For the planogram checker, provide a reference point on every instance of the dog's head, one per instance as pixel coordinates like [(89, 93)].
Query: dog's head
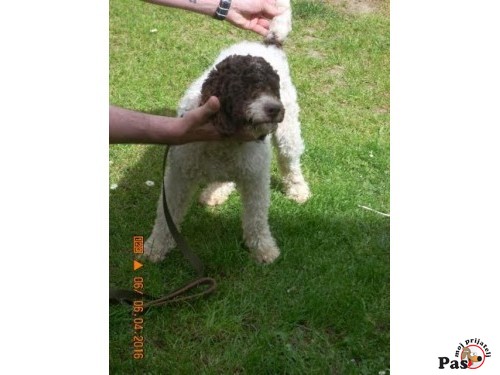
[(248, 89), (466, 353)]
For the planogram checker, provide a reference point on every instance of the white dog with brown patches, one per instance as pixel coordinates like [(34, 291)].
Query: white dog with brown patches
[(253, 84)]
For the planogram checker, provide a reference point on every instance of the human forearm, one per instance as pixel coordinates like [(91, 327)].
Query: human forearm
[(206, 7), (126, 126)]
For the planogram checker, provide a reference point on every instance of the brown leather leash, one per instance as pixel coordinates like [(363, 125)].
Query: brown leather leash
[(185, 293)]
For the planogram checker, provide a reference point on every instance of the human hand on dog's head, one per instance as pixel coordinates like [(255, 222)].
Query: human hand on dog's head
[(196, 126), (128, 126)]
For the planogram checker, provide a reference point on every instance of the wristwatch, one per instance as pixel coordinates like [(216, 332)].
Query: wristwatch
[(222, 10)]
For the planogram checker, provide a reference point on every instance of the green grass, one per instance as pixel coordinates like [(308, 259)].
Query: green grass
[(323, 306)]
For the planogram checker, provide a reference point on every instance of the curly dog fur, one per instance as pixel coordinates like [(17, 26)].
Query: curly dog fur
[(253, 84)]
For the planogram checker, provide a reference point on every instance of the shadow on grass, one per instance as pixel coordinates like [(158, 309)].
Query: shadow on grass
[(302, 231)]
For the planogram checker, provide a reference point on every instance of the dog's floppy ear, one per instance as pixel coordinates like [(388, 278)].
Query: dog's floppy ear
[(465, 352), (213, 86)]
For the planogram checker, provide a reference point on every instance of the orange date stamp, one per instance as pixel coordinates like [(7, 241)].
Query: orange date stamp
[(138, 244), (138, 320), (138, 305)]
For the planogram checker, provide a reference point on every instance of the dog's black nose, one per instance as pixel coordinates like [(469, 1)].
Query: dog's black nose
[(273, 110), (479, 358)]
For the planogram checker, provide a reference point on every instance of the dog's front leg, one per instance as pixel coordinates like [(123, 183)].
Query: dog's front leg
[(290, 146), (256, 198), (179, 190)]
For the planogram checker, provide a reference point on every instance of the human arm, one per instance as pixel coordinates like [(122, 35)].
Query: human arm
[(254, 15), (127, 126)]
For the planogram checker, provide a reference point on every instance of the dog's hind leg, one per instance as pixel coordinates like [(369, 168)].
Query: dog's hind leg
[(216, 193), (256, 196), (179, 191)]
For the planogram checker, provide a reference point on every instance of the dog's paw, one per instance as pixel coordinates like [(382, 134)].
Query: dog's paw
[(216, 193), (298, 191), (262, 245), (156, 250), (266, 255)]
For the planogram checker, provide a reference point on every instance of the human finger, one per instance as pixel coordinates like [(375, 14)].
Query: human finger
[(270, 10), (211, 106), (259, 29), (201, 115), (264, 23)]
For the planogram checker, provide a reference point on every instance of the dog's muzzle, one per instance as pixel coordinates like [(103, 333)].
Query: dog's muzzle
[(265, 109), (275, 111), (264, 114)]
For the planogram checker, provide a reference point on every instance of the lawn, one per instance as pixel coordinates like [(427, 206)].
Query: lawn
[(323, 306)]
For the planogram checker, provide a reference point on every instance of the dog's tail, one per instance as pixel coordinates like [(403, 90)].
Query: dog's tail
[(280, 25)]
